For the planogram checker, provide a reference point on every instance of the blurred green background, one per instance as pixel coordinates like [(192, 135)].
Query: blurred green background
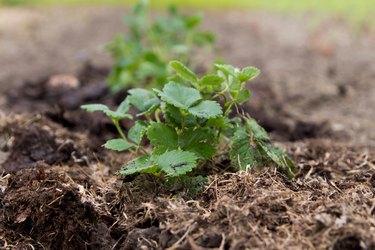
[(353, 10)]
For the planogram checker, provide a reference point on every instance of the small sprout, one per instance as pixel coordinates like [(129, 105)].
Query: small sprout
[(186, 122), (141, 57)]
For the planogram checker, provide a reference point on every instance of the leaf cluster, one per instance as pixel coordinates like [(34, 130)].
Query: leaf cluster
[(188, 119), (142, 55)]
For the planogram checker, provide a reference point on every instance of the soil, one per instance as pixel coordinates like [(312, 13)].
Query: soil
[(59, 188)]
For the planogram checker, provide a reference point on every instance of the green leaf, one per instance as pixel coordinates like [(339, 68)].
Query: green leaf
[(119, 79), (144, 100), (180, 49), (176, 163), (117, 46), (183, 71), (95, 107), (235, 123), (256, 130), (235, 87), (149, 70), (226, 69), (206, 109), (118, 145), (219, 122), (249, 151), (140, 7), (140, 165), (179, 95), (193, 21), (124, 106), (137, 131), (200, 141), (279, 157), (248, 74), (203, 38), (162, 137), (243, 96), (114, 115), (210, 82), (173, 116), (242, 154), (151, 56)]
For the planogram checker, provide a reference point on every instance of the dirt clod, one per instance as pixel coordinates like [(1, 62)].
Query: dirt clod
[(33, 144)]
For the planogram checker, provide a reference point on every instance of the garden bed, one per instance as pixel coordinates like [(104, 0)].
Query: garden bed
[(59, 190)]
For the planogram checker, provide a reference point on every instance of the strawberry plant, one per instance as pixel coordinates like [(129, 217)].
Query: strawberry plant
[(142, 55), (189, 120)]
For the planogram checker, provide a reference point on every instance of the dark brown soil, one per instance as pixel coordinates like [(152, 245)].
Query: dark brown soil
[(329, 205), (35, 143), (58, 187)]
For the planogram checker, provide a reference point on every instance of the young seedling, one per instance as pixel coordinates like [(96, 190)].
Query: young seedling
[(142, 55), (189, 118)]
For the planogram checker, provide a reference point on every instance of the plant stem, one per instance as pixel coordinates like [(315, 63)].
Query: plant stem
[(219, 134), (148, 117), (227, 110), (183, 117), (117, 125), (142, 149), (157, 118), (122, 134), (221, 93)]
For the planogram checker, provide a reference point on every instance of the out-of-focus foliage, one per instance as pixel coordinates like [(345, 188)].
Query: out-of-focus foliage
[(142, 54)]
